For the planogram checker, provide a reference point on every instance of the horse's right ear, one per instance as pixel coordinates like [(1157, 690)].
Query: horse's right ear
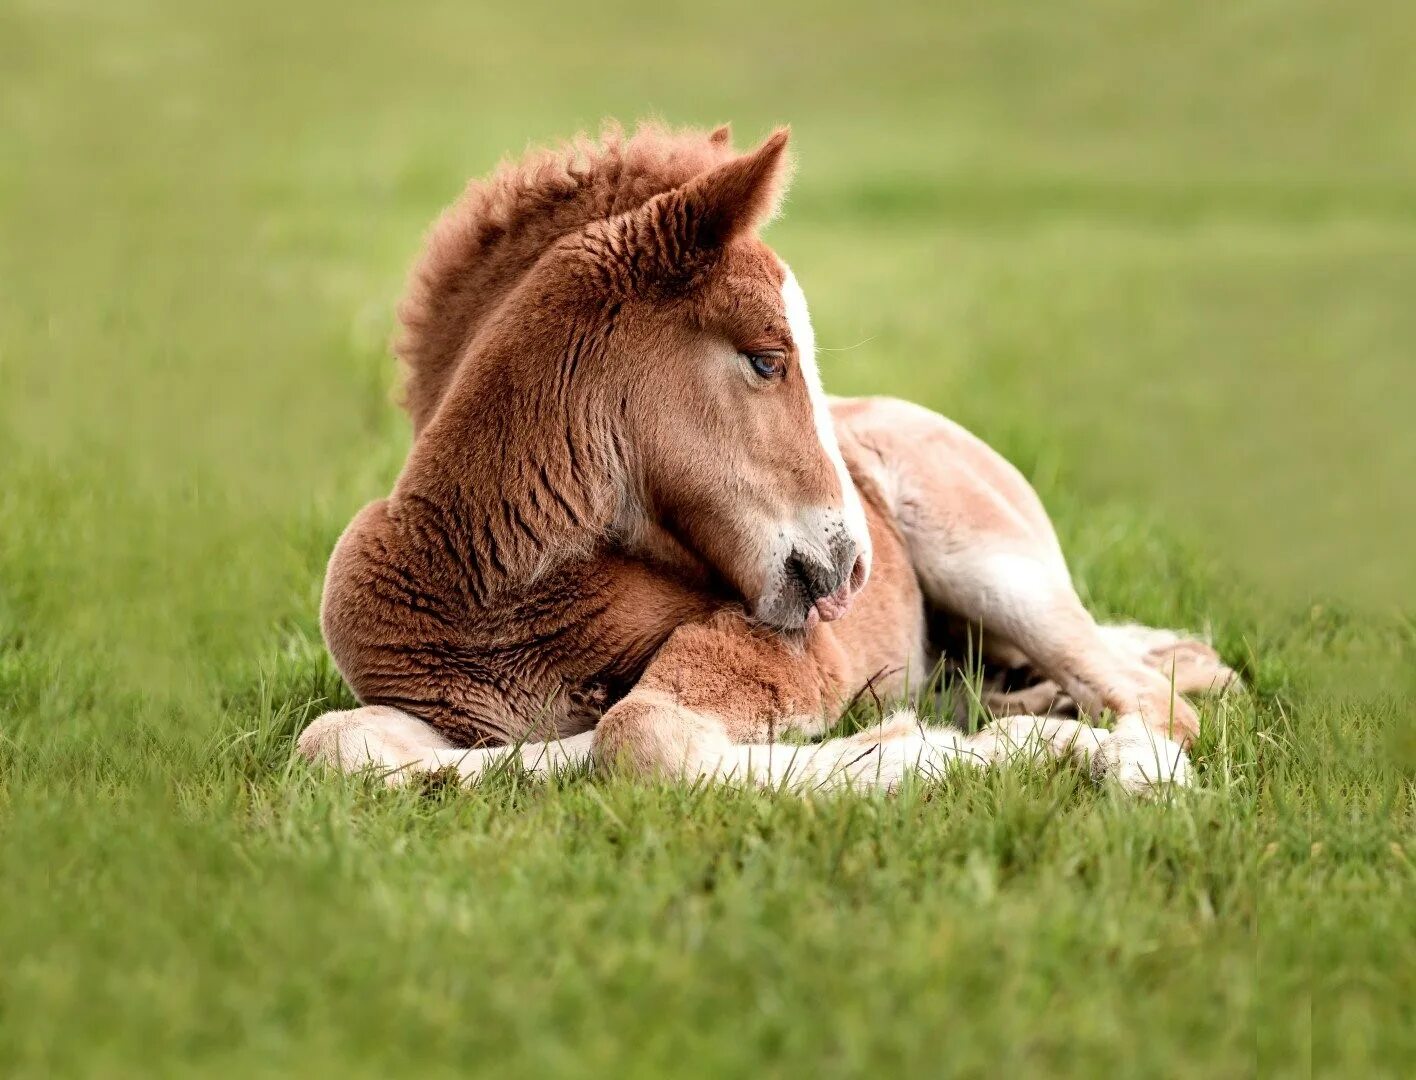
[(736, 197)]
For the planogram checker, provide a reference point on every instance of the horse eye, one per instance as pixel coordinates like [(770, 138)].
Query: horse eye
[(768, 365)]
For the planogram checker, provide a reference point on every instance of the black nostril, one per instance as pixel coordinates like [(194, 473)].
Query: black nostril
[(859, 570), (815, 579), (847, 555)]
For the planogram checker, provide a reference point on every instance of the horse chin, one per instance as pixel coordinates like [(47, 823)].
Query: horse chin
[(785, 614), (782, 615)]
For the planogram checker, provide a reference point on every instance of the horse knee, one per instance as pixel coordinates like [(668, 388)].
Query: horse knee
[(648, 733), (325, 740), (375, 736)]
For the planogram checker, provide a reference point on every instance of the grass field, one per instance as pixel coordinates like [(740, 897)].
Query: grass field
[(1165, 259)]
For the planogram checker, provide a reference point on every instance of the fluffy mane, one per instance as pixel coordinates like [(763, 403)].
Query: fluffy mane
[(491, 236)]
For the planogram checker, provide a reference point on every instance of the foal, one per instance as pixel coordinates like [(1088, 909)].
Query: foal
[(633, 527)]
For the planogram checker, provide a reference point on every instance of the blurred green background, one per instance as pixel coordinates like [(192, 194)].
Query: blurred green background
[(1168, 255), (1163, 256)]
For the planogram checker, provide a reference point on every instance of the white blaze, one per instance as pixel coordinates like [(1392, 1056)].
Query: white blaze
[(799, 320)]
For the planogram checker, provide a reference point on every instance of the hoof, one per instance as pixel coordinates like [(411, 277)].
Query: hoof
[(1140, 761)]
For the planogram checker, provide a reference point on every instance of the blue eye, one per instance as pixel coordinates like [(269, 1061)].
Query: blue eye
[(768, 365)]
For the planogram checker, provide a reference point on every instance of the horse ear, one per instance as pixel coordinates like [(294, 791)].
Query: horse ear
[(715, 206), (738, 196)]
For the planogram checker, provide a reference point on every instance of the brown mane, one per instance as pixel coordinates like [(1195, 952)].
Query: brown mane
[(491, 236)]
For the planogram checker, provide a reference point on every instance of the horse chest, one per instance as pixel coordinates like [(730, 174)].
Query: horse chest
[(560, 659)]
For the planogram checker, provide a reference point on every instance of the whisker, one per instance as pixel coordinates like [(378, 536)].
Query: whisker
[(847, 348)]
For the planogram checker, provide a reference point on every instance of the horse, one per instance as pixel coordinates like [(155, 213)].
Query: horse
[(633, 530)]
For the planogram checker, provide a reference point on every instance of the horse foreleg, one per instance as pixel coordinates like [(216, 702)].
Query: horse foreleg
[(716, 695), (394, 746)]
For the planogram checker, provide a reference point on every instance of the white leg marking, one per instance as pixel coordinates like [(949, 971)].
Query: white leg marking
[(876, 758), (1140, 760), (1039, 736), (538, 759), (396, 746), (881, 757)]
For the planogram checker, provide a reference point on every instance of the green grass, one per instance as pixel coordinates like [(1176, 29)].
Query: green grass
[(1163, 259)]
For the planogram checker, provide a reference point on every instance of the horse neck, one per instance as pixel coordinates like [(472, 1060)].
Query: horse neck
[(523, 470)]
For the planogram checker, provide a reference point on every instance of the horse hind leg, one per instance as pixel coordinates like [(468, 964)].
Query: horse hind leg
[(1191, 664), (985, 552), (396, 747), (1026, 601)]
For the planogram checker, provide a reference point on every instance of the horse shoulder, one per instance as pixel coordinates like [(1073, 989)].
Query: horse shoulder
[(395, 618)]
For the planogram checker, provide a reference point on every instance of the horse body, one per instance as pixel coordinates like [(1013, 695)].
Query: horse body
[(632, 521), (574, 636)]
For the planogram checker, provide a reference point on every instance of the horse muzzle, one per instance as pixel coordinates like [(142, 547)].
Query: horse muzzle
[(838, 602), (812, 589)]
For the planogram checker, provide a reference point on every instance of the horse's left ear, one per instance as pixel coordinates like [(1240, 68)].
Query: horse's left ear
[(702, 215)]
